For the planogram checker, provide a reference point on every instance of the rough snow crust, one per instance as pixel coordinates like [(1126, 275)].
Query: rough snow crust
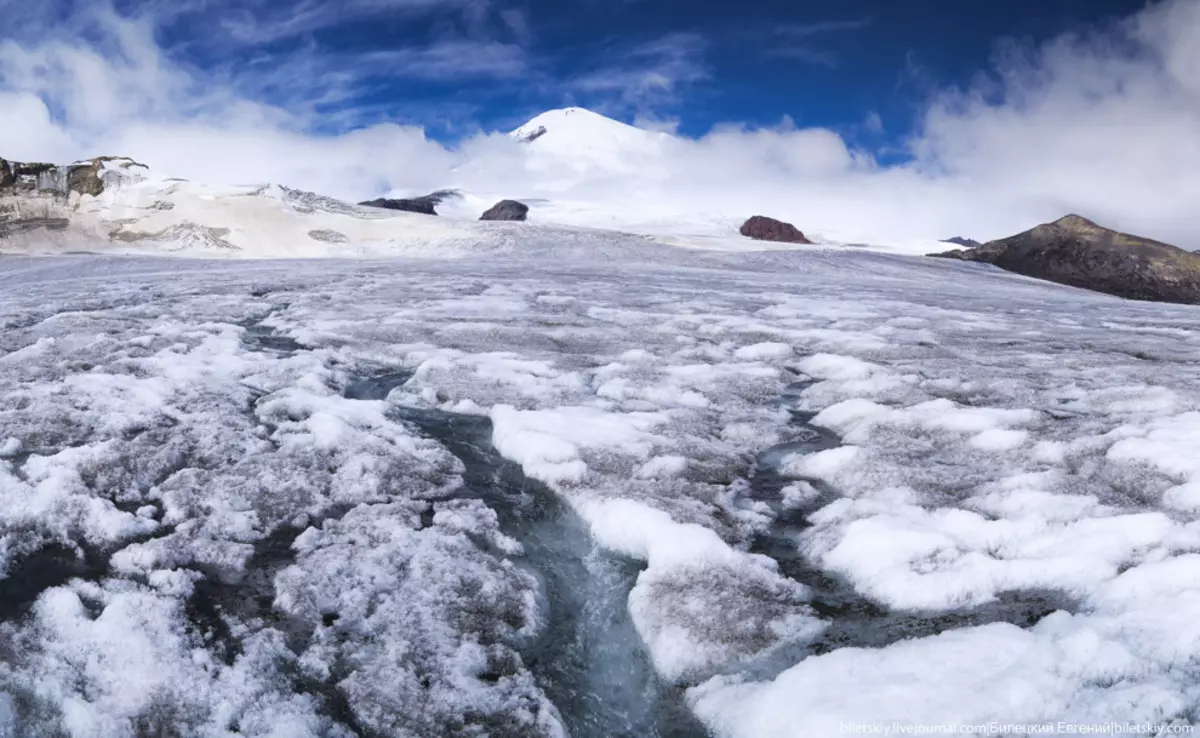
[(203, 534)]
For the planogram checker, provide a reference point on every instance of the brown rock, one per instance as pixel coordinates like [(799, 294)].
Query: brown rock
[(762, 228), (1075, 251), (506, 210), (86, 177)]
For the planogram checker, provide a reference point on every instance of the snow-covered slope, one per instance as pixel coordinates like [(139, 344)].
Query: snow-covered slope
[(590, 143), (139, 213), (575, 168)]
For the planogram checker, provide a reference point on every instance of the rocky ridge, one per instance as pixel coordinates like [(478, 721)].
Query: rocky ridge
[(424, 205), (1077, 252), (37, 195)]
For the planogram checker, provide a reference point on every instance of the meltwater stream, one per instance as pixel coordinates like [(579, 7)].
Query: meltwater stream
[(589, 659)]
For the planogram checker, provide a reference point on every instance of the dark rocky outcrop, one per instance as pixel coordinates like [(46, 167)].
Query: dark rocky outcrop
[(533, 135), (85, 180), (414, 205), (424, 205), (85, 177), (762, 228), (966, 243), (506, 210), (30, 198), (1075, 251), (31, 176), (35, 196)]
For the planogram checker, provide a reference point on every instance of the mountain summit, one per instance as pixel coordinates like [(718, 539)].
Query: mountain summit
[(588, 140), (575, 125)]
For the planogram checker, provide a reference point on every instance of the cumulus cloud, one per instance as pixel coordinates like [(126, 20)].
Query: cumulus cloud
[(1107, 125)]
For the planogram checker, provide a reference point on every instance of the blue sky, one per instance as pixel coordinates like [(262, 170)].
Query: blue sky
[(455, 66), (919, 118)]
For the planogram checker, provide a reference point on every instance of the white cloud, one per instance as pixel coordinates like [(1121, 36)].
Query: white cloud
[(1107, 126), (658, 124)]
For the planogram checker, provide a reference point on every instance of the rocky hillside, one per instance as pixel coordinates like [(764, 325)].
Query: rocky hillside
[(86, 177), (37, 195), (1077, 252)]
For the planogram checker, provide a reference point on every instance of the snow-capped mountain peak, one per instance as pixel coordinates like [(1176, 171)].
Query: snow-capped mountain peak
[(587, 141), (576, 123)]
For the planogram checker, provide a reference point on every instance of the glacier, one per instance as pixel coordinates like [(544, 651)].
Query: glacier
[(570, 483)]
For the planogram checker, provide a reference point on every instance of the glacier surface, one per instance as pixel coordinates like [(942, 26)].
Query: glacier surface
[(598, 487)]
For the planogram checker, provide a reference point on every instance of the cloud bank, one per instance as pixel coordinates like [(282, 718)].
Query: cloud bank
[(1106, 125)]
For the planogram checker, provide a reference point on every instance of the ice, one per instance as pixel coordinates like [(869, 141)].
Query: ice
[(662, 467), (1184, 497), (1059, 671), (411, 622), (764, 351), (999, 439), (117, 660), (1165, 444), (522, 491), (911, 558), (855, 419), (700, 604), (821, 464), (548, 443)]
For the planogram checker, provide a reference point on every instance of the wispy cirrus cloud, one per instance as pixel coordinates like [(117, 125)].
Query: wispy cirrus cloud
[(646, 75), (805, 42), (258, 22), (807, 30)]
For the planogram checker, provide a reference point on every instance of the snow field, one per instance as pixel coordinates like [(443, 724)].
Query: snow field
[(297, 558)]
